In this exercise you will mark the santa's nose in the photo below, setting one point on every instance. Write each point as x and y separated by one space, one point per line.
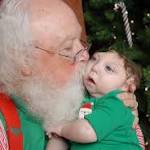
83 55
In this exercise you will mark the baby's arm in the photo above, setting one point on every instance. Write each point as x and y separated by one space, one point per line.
78 131
56 143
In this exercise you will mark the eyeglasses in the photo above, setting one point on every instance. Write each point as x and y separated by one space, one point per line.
67 53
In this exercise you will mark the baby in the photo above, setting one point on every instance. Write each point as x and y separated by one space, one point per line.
109 123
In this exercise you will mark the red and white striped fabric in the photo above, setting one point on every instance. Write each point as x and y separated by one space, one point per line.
3 138
140 136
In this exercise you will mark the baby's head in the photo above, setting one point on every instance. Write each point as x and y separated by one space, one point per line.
107 71
133 71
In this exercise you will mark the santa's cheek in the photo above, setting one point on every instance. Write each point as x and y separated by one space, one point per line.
63 74
57 69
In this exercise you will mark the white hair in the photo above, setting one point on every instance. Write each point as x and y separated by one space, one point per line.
51 103
15 42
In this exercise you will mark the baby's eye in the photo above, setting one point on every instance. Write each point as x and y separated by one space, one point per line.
109 68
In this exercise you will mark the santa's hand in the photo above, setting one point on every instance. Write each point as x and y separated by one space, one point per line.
136 119
129 100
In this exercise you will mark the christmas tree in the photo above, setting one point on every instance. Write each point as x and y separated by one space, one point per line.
107 26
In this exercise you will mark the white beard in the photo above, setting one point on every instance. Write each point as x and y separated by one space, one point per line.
52 104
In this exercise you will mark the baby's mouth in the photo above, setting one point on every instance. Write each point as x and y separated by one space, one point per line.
90 80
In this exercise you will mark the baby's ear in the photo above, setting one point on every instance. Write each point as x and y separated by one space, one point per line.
131 85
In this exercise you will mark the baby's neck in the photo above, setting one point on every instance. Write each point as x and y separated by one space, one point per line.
97 95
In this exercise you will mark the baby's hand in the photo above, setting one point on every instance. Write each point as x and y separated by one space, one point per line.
56 130
56 143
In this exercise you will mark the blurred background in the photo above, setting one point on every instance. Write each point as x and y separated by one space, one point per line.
105 28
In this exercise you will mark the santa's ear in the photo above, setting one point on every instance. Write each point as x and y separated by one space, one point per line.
26 71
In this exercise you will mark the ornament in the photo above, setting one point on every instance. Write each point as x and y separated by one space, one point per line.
122 6
116 7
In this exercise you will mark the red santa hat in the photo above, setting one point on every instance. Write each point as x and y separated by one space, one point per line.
87 105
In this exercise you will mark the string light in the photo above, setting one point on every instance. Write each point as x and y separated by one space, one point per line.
146 88
114 37
132 21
